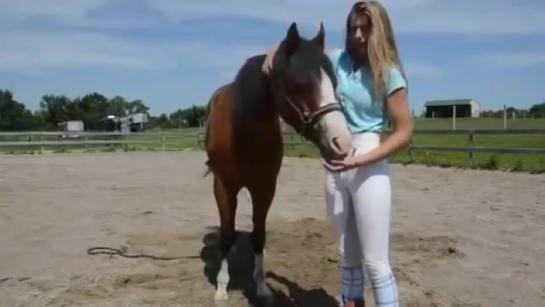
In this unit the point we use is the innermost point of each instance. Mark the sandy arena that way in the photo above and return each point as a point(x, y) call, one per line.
point(460, 238)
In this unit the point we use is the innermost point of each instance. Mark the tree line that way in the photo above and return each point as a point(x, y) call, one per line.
point(536, 111)
point(92, 109)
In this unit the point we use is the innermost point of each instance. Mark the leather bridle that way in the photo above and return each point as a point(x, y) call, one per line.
point(309, 119)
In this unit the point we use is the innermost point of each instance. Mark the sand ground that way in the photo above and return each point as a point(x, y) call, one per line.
point(459, 237)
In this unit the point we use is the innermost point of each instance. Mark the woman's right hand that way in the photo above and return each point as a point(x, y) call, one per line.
point(268, 63)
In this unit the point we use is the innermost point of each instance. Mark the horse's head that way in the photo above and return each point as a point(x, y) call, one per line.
point(304, 84)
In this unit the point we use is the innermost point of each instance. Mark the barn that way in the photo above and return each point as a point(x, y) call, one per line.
point(446, 108)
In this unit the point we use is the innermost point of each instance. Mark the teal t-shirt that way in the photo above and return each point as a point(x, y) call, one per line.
point(355, 91)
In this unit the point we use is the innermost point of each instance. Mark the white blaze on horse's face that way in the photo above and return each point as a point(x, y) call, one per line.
point(333, 130)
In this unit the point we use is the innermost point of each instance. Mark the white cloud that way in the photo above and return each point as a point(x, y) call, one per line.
point(36, 51)
point(283, 11)
point(471, 17)
point(408, 16)
point(204, 54)
point(422, 70)
point(515, 59)
point(70, 13)
point(29, 48)
point(68, 9)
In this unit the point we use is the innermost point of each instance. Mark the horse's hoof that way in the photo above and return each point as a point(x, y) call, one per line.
point(263, 291)
point(221, 295)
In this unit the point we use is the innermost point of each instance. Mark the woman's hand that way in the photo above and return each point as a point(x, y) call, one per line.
point(400, 115)
point(268, 63)
point(351, 161)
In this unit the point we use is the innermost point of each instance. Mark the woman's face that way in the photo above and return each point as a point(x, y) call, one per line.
point(359, 30)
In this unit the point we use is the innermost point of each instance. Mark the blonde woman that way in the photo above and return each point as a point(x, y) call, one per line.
point(372, 90)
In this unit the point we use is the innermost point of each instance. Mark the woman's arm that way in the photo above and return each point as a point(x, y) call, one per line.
point(400, 115)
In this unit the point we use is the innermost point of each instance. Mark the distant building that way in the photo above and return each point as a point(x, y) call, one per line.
point(71, 127)
point(134, 122)
point(446, 108)
point(126, 124)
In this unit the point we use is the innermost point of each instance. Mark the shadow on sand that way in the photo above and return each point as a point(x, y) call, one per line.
point(241, 265)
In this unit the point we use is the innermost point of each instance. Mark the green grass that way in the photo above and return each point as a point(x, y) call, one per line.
point(511, 162)
point(185, 139)
point(518, 162)
point(478, 123)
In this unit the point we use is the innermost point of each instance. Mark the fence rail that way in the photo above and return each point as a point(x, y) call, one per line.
point(472, 149)
point(36, 138)
point(56, 139)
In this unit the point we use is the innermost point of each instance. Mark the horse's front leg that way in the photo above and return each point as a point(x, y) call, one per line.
point(262, 196)
point(226, 199)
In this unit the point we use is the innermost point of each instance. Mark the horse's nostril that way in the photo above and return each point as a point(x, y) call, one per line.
point(336, 145)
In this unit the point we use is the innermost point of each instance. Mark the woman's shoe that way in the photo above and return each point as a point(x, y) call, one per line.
point(355, 303)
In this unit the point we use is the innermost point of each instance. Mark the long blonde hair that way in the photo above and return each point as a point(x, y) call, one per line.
point(382, 49)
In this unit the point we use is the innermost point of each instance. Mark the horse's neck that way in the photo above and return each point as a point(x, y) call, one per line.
point(254, 97)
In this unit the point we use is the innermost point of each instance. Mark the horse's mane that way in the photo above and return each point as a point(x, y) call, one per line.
point(253, 91)
point(303, 64)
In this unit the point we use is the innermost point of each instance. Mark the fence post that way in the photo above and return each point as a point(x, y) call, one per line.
point(200, 139)
point(504, 117)
point(471, 147)
point(163, 141)
point(411, 155)
point(454, 117)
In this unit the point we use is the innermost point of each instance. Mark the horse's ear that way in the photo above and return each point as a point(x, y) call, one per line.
point(292, 38)
point(320, 37)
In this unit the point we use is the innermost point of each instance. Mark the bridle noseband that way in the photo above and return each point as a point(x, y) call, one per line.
point(309, 119)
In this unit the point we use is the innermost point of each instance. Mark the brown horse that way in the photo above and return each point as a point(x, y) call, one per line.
point(244, 140)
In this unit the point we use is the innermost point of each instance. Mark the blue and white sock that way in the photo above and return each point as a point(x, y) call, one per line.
point(353, 283)
point(386, 293)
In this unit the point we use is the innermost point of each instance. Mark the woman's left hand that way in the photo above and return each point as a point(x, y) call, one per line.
point(351, 161)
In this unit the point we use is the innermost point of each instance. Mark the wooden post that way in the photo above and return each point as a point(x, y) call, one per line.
point(454, 117)
point(472, 146)
point(411, 155)
point(163, 141)
point(504, 117)
point(200, 138)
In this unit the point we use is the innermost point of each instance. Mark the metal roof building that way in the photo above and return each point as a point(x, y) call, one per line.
point(446, 108)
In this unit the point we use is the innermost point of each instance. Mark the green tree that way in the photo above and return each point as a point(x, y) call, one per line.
point(137, 106)
point(94, 109)
point(117, 106)
point(14, 115)
point(193, 116)
point(538, 110)
point(56, 109)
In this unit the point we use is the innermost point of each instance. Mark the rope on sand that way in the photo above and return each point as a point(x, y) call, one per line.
point(122, 251)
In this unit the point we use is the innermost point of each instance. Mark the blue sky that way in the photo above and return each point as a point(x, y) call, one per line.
point(173, 53)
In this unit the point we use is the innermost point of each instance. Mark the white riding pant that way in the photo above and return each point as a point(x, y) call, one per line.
point(358, 205)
